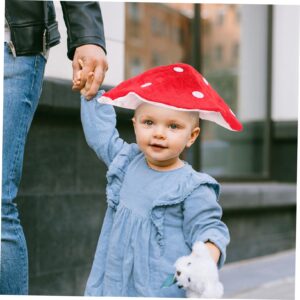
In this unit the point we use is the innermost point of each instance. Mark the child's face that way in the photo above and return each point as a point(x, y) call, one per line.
point(162, 134)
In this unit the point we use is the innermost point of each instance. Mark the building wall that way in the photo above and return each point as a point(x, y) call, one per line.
point(253, 63)
point(286, 38)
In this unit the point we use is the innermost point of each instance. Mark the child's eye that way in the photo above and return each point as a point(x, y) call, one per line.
point(173, 126)
point(148, 122)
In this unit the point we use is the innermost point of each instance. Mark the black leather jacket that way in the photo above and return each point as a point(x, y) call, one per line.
point(34, 29)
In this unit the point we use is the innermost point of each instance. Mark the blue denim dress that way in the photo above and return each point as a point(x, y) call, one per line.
point(152, 217)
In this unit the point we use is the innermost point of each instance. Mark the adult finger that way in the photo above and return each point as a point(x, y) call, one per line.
point(87, 68)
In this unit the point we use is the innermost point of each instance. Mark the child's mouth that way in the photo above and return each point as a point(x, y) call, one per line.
point(157, 146)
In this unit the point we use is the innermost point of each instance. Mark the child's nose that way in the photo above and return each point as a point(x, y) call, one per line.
point(159, 133)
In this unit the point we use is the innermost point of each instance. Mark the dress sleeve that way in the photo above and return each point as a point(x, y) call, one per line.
point(99, 126)
point(202, 220)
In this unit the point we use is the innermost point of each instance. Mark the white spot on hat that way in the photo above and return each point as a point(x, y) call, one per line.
point(231, 111)
point(198, 94)
point(146, 84)
point(205, 81)
point(178, 69)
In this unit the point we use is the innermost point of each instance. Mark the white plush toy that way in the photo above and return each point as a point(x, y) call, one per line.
point(197, 273)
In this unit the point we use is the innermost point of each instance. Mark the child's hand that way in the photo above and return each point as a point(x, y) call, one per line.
point(197, 273)
point(214, 251)
point(88, 85)
point(77, 81)
point(78, 76)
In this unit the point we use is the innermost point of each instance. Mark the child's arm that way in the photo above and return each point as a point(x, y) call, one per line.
point(202, 222)
point(99, 126)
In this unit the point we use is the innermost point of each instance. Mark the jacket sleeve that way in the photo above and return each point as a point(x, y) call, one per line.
point(99, 126)
point(84, 24)
point(202, 220)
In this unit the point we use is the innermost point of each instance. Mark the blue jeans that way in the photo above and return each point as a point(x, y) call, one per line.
point(23, 78)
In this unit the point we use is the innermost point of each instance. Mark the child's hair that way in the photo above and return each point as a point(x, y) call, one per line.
point(194, 118)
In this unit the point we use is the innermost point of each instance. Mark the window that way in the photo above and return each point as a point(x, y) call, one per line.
point(220, 16)
point(218, 53)
point(155, 26)
point(159, 27)
point(134, 11)
point(177, 35)
point(135, 66)
point(157, 59)
point(237, 14)
point(240, 77)
point(235, 53)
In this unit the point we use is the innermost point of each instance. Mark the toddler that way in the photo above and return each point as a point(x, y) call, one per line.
point(158, 207)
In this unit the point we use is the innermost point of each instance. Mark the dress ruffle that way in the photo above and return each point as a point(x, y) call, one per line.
point(116, 172)
point(184, 188)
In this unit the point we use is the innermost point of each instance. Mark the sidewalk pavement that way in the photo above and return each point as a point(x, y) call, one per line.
point(266, 277)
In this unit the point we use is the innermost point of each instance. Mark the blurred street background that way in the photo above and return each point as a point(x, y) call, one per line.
point(250, 55)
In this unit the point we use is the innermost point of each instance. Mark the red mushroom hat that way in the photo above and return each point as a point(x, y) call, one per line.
point(177, 86)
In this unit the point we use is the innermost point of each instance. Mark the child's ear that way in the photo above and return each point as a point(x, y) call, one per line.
point(133, 121)
point(194, 134)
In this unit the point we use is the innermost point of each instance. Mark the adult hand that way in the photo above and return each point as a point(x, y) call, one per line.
point(88, 59)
